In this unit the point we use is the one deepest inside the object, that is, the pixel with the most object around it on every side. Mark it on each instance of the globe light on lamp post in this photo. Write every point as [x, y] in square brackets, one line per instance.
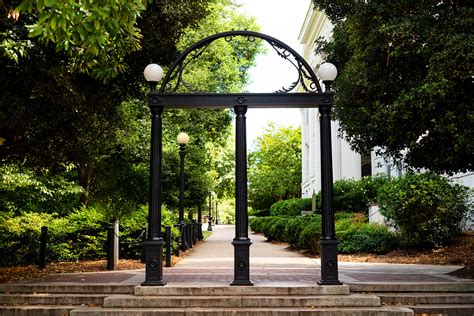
[183, 140]
[154, 243]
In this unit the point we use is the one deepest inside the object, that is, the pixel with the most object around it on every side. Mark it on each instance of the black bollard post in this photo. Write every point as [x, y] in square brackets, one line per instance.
[144, 236]
[190, 236]
[194, 232]
[168, 245]
[176, 250]
[110, 248]
[42, 254]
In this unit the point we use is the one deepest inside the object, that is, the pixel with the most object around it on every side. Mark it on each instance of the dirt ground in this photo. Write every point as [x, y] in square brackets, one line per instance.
[459, 252]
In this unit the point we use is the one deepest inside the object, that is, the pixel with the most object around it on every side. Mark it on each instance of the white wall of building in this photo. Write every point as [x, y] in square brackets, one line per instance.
[346, 163]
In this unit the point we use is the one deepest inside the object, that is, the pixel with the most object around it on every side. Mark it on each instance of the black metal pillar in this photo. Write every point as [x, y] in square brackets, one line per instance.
[241, 241]
[154, 244]
[328, 242]
[200, 236]
[182, 225]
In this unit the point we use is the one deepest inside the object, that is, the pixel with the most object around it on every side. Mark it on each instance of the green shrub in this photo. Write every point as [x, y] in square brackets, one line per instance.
[310, 235]
[366, 238]
[372, 186]
[267, 226]
[426, 208]
[260, 213]
[277, 230]
[256, 223]
[293, 227]
[349, 196]
[132, 230]
[292, 207]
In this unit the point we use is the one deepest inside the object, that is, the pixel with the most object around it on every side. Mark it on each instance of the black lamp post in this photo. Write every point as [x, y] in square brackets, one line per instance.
[183, 140]
[329, 271]
[209, 218]
[154, 243]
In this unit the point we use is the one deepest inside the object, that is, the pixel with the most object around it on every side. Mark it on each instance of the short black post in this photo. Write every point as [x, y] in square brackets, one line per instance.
[168, 245]
[200, 236]
[190, 235]
[176, 249]
[110, 248]
[194, 232]
[328, 242]
[144, 237]
[241, 241]
[42, 254]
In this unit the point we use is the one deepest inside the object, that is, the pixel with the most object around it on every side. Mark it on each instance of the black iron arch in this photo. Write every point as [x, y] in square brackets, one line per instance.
[306, 76]
[167, 97]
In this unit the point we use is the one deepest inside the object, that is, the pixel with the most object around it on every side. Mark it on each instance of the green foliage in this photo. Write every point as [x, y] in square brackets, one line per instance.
[23, 190]
[132, 230]
[405, 79]
[372, 186]
[226, 211]
[349, 196]
[292, 207]
[426, 208]
[275, 167]
[356, 235]
[78, 236]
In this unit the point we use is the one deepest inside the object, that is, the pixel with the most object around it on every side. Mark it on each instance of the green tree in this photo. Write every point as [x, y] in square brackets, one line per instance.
[67, 117]
[275, 167]
[405, 81]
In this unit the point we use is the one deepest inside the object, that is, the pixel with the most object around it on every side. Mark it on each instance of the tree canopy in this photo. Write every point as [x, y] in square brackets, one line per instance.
[275, 167]
[55, 115]
[405, 79]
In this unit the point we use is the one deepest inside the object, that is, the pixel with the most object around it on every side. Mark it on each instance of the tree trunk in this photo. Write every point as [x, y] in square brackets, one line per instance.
[85, 172]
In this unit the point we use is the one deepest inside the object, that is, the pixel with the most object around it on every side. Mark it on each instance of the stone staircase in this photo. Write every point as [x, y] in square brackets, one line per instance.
[447, 299]
[454, 298]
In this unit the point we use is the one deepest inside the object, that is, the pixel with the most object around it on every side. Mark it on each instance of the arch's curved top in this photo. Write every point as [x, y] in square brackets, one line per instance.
[306, 76]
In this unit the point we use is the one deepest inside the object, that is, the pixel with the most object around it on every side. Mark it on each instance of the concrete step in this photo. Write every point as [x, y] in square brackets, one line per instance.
[52, 299]
[356, 300]
[31, 310]
[443, 309]
[427, 298]
[412, 287]
[240, 290]
[276, 311]
[67, 288]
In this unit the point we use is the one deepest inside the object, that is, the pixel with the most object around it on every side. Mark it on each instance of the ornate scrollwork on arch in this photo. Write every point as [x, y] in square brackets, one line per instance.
[305, 75]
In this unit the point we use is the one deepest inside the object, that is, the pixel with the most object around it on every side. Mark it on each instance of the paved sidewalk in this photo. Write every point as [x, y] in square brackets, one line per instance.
[212, 262]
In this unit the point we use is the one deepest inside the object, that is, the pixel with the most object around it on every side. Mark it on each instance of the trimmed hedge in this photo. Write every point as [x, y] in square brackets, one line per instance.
[292, 207]
[354, 233]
